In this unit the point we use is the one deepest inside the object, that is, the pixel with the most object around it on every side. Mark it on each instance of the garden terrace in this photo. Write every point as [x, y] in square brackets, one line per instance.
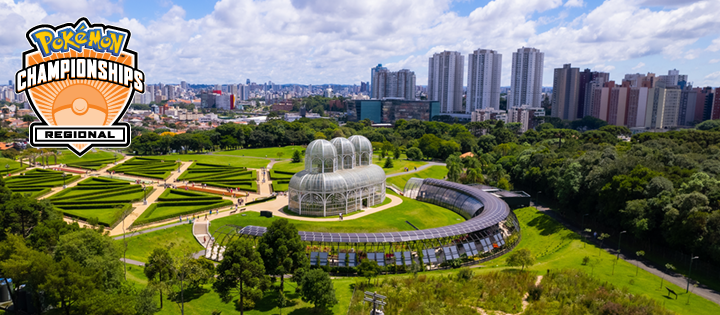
[38, 182]
[91, 164]
[173, 203]
[224, 176]
[102, 198]
[146, 167]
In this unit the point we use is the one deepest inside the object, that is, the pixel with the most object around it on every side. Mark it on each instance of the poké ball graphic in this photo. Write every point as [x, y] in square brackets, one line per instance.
[80, 105]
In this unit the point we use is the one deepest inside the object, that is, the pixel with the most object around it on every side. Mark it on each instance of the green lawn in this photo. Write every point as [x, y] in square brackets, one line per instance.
[13, 166]
[173, 203]
[399, 165]
[422, 215]
[436, 171]
[69, 157]
[145, 167]
[289, 166]
[270, 153]
[178, 238]
[559, 248]
[249, 162]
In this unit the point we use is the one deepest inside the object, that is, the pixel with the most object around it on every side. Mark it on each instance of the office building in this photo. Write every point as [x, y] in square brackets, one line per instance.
[483, 85]
[391, 110]
[445, 80]
[566, 92]
[400, 84]
[703, 109]
[527, 75]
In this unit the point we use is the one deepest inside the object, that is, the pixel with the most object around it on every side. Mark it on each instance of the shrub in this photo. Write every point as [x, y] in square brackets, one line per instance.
[465, 274]
[586, 260]
[534, 292]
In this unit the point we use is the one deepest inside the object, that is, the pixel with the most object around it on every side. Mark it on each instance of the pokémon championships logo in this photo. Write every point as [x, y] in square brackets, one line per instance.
[79, 79]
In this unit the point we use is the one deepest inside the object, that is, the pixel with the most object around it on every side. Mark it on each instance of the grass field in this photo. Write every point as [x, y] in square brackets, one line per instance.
[13, 166]
[559, 248]
[102, 198]
[270, 153]
[176, 202]
[220, 175]
[249, 162]
[399, 165]
[177, 238]
[37, 182]
[289, 166]
[145, 167]
[422, 215]
[436, 171]
[68, 156]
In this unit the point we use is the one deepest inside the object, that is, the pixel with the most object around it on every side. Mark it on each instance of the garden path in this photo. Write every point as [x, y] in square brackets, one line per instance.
[418, 169]
[140, 208]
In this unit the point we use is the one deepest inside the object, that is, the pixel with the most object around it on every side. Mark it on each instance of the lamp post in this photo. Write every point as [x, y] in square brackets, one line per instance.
[144, 196]
[115, 156]
[179, 164]
[620, 238]
[64, 186]
[689, 271]
[7, 169]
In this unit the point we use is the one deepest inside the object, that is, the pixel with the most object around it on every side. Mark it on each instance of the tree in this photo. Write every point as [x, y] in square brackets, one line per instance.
[454, 167]
[521, 257]
[280, 154]
[317, 288]
[368, 269]
[320, 135]
[414, 154]
[282, 250]
[396, 153]
[296, 158]
[160, 270]
[602, 238]
[240, 270]
[388, 163]
[639, 253]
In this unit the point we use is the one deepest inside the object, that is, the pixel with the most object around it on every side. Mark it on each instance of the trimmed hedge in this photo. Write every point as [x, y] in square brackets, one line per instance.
[144, 218]
[116, 218]
[261, 200]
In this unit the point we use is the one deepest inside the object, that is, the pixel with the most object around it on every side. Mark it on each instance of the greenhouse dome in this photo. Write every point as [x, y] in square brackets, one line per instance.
[333, 182]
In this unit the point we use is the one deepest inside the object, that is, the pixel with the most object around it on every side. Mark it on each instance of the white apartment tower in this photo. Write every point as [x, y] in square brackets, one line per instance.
[484, 68]
[400, 84]
[445, 80]
[527, 74]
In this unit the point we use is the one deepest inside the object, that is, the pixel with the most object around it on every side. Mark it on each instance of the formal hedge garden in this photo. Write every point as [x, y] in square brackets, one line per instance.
[174, 203]
[147, 167]
[37, 182]
[103, 199]
[91, 164]
[223, 176]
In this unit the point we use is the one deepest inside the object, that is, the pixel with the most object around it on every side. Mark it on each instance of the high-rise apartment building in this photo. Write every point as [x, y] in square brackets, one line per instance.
[688, 102]
[400, 84]
[445, 80]
[637, 103]
[715, 114]
[526, 116]
[483, 85]
[587, 80]
[373, 82]
[183, 85]
[566, 92]
[527, 74]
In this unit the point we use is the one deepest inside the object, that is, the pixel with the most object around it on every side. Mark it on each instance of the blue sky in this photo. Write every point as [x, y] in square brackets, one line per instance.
[316, 41]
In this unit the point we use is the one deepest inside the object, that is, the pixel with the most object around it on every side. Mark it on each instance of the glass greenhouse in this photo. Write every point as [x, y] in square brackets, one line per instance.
[339, 177]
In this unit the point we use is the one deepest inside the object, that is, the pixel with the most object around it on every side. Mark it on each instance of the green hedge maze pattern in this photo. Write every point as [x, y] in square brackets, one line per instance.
[91, 164]
[37, 182]
[280, 180]
[102, 198]
[145, 167]
[223, 176]
[173, 203]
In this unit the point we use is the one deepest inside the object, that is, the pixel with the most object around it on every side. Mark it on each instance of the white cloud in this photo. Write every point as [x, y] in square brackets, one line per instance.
[306, 41]
[604, 68]
[639, 65]
[714, 60]
[574, 3]
[712, 79]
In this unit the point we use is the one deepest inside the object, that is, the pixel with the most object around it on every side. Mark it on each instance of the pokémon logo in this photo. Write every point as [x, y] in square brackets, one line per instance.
[79, 79]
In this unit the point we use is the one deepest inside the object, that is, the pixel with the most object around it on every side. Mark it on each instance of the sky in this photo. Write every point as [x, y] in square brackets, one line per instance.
[338, 41]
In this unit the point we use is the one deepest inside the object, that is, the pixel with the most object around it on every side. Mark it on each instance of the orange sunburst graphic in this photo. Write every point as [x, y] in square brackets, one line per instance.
[79, 80]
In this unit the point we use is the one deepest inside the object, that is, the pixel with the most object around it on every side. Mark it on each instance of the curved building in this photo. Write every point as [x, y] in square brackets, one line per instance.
[339, 177]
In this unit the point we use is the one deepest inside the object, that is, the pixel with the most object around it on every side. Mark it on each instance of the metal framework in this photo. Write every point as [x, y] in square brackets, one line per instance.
[339, 177]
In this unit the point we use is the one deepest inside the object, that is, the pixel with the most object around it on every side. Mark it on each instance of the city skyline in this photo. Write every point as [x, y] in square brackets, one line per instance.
[306, 42]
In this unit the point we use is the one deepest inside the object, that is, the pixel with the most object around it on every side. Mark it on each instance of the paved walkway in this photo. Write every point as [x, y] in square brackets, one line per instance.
[429, 164]
[140, 207]
[133, 262]
[676, 279]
